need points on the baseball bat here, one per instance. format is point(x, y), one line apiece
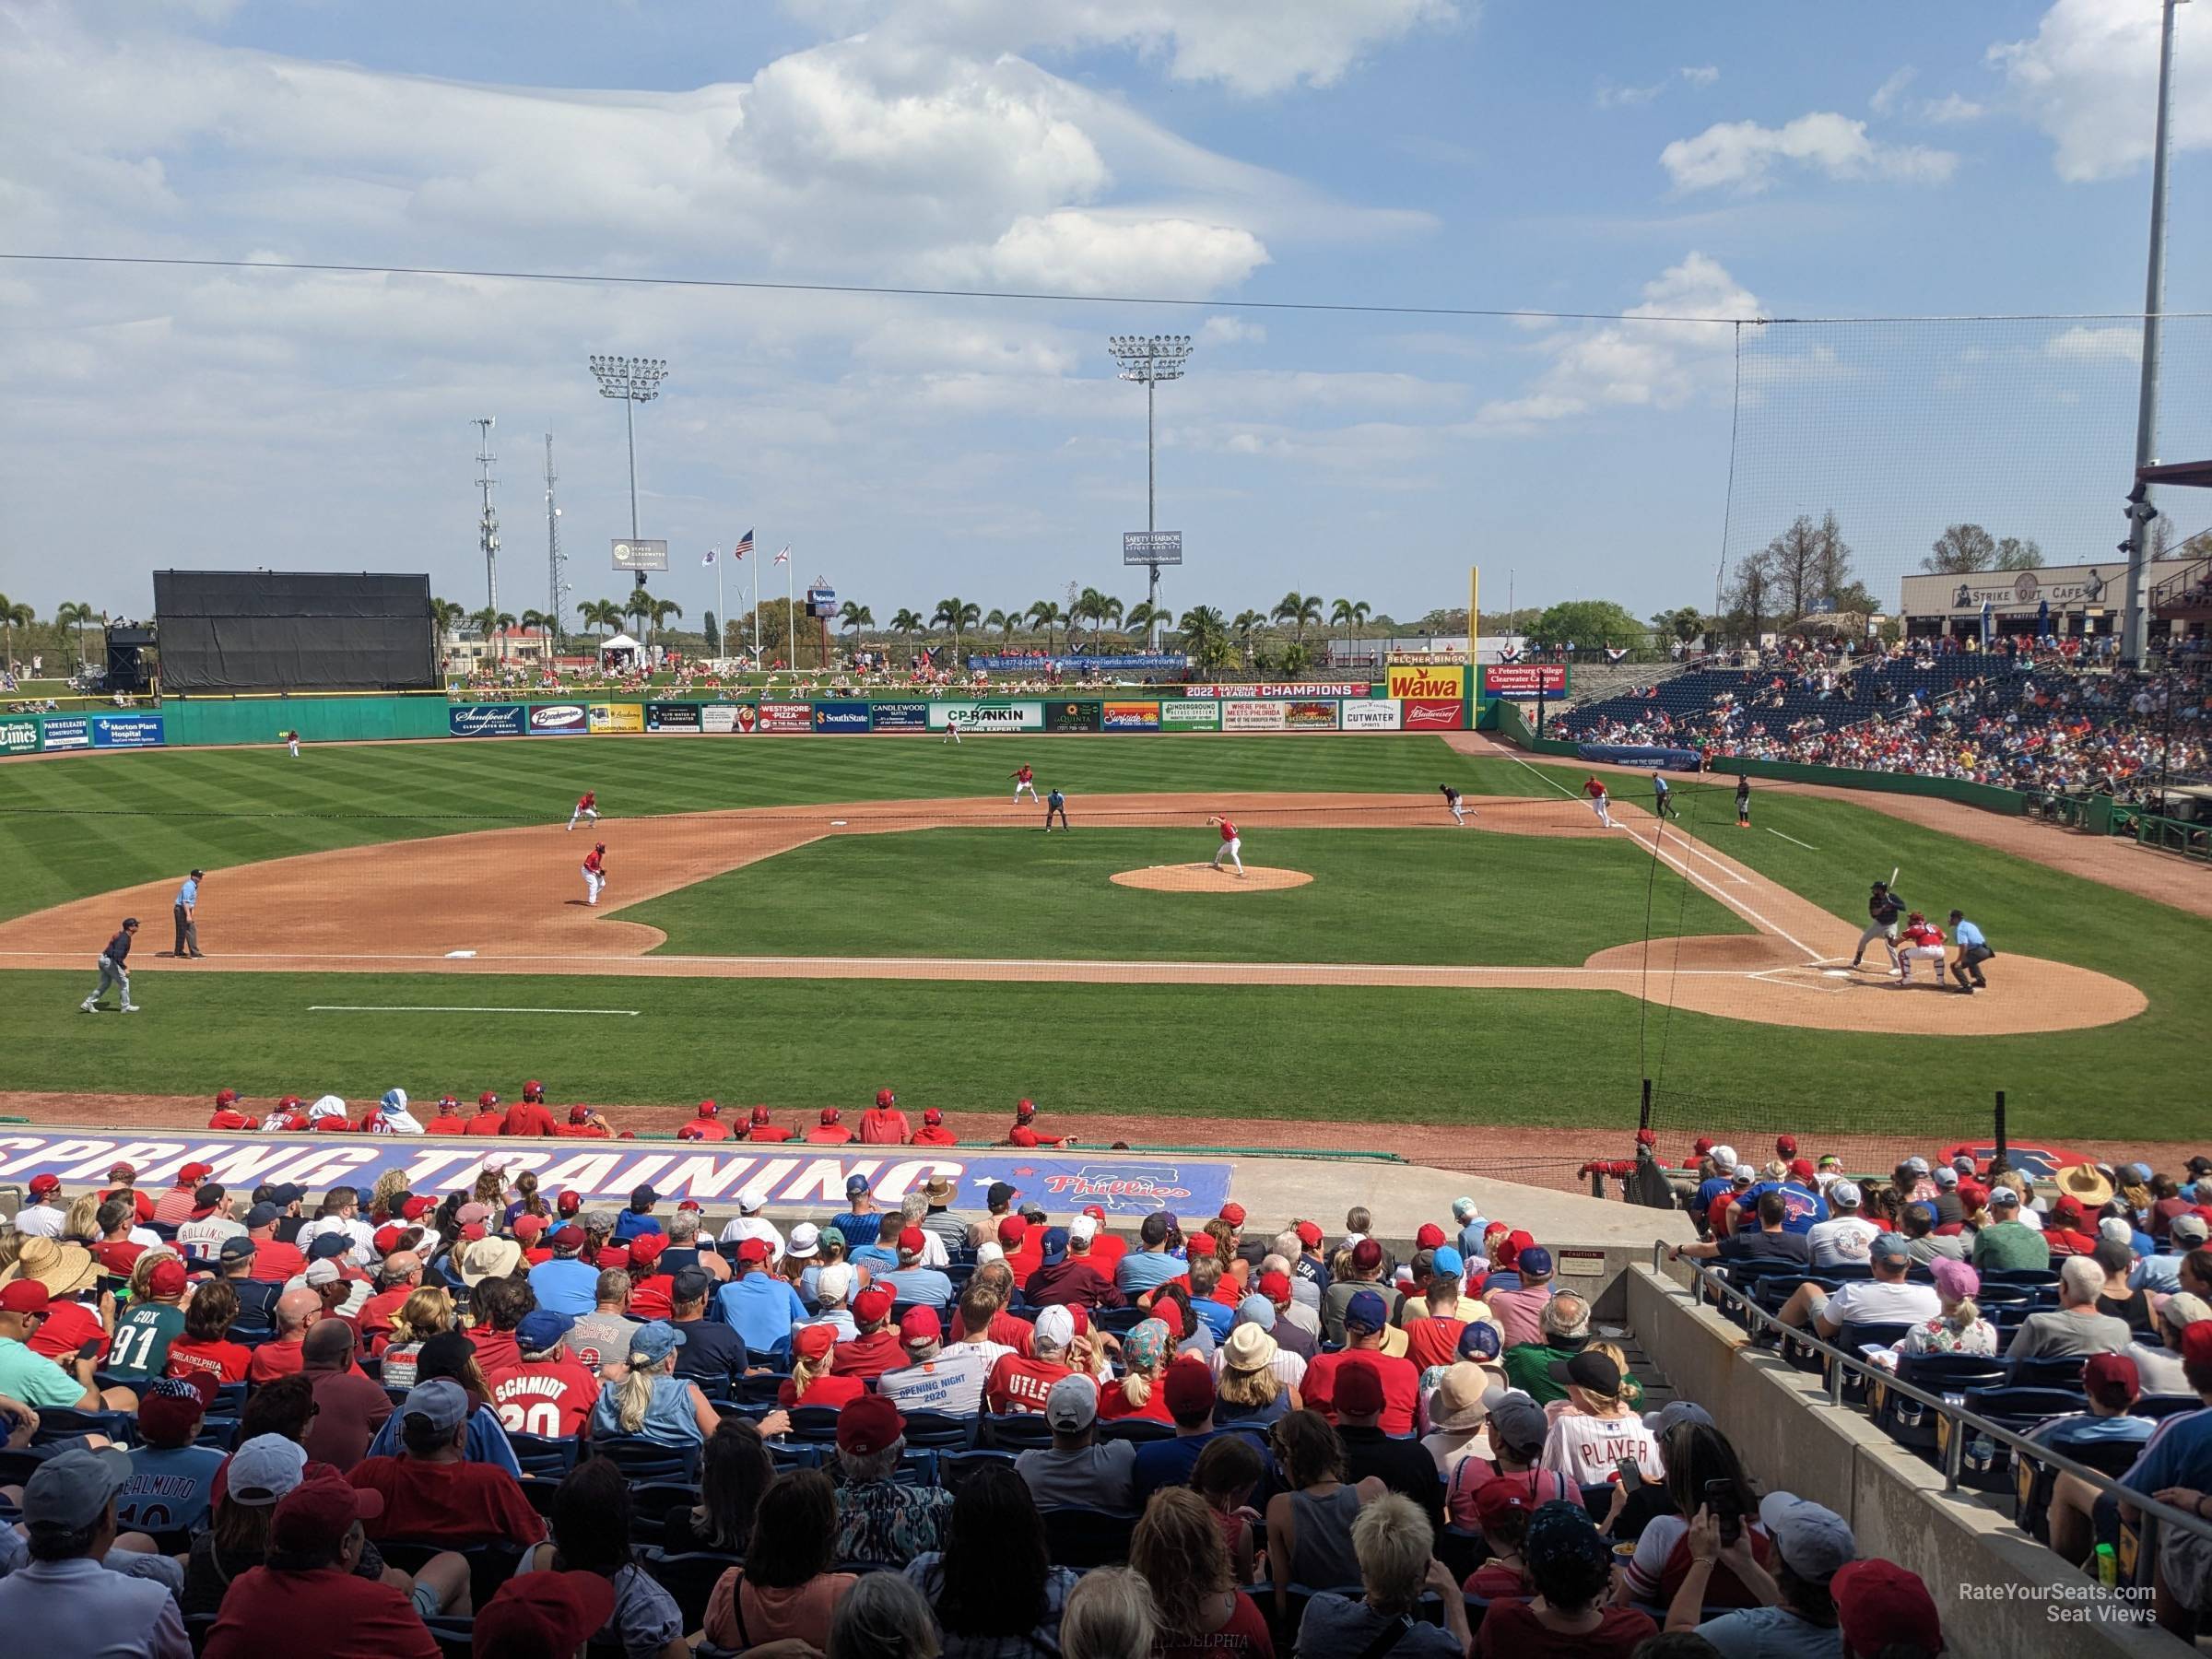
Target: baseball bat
point(1893, 869)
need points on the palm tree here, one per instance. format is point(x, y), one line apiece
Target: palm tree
point(12, 616)
point(598, 612)
point(855, 617)
point(908, 622)
point(549, 623)
point(662, 609)
point(1349, 614)
point(639, 607)
point(1299, 610)
point(955, 615)
point(1004, 623)
point(446, 616)
point(1048, 615)
point(1205, 635)
point(1141, 616)
point(74, 614)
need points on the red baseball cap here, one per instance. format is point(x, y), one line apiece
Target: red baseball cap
point(542, 1613)
point(933, 1117)
point(1881, 1605)
point(868, 1424)
point(1233, 1214)
point(913, 1240)
point(2068, 1205)
point(2112, 1378)
point(1494, 1499)
point(884, 1097)
point(829, 1114)
point(645, 1248)
point(387, 1238)
point(1702, 1145)
point(472, 1231)
point(1097, 1212)
point(528, 1227)
point(873, 1306)
point(1430, 1236)
point(170, 1409)
point(709, 1109)
point(760, 1114)
point(192, 1174)
point(415, 1209)
point(570, 1237)
point(534, 1091)
point(613, 1258)
point(921, 1324)
point(1359, 1389)
point(1515, 1242)
point(1024, 1109)
point(122, 1172)
point(1012, 1229)
point(580, 1114)
point(568, 1203)
point(1276, 1287)
point(752, 1250)
point(28, 1296)
point(688, 1204)
point(1802, 1167)
point(225, 1097)
point(1366, 1256)
point(1786, 1145)
point(2196, 1341)
point(1169, 1311)
point(315, 1515)
point(1188, 1387)
point(811, 1342)
point(1309, 1234)
point(488, 1098)
point(45, 1183)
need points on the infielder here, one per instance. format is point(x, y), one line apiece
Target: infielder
point(1054, 802)
point(952, 728)
point(1974, 950)
point(1883, 908)
point(114, 969)
point(587, 805)
point(1024, 783)
point(1662, 798)
point(1923, 943)
point(1459, 814)
point(594, 872)
point(1231, 848)
point(1743, 801)
point(1595, 789)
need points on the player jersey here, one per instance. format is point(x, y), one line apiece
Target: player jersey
point(592, 860)
point(825, 1135)
point(486, 1122)
point(1024, 775)
point(703, 1129)
point(1016, 1385)
point(769, 1132)
point(1925, 936)
point(228, 1119)
point(1229, 830)
point(1593, 789)
point(143, 1332)
point(587, 800)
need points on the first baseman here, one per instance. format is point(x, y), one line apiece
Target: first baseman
point(1459, 814)
point(594, 872)
point(1025, 781)
point(114, 969)
point(1883, 908)
point(1595, 789)
point(1231, 847)
point(587, 805)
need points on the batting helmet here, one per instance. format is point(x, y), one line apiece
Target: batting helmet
point(598, 846)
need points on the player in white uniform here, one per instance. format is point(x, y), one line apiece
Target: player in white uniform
point(291, 742)
point(1452, 800)
point(587, 805)
point(1595, 789)
point(594, 872)
point(1024, 783)
point(1231, 848)
point(952, 728)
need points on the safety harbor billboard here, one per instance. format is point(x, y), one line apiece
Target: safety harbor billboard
point(1125, 1185)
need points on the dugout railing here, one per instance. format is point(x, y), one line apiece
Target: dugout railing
point(1957, 1427)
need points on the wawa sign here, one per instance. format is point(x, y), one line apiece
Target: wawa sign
point(1428, 680)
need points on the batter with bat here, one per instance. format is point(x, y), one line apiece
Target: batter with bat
point(1883, 908)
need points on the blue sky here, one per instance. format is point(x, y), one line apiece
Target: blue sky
point(1704, 163)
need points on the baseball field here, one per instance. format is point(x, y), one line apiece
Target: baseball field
point(799, 920)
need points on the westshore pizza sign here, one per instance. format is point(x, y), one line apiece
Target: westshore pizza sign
point(1124, 1185)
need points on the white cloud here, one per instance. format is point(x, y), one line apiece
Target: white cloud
point(1253, 47)
point(1610, 97)
point(1660, 358)
point(1700, 74)
point(2089, 80)
point(2083, 344)
point(1952, 109)
point(1886, 96)
point(1743, 154)
point(1230, 331)
point(1076, 252)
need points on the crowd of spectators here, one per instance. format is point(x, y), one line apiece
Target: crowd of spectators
point(525, 1421)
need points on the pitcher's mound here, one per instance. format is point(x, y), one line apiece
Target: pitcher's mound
point(1205, 878)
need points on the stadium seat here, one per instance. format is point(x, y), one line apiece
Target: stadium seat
point(60, 1423)
point(938, 1429)
point(1119, 1321)
point(690, 1577)
point(1084, 1538)
point(1854, 1339)
point(1139, 1429)
point(758, 1388)
point(1021, 1431)
point(221, 1433)
point(2165, 1406)
point(2058, 1372)
point(954, 1467)
point(649, 1501)
point(642, 1459)
point(490, 1565)
point(544, 1456)
point(2033, 1479)
point(814, 1422)
point(455, 1637)
point(1908, 1421)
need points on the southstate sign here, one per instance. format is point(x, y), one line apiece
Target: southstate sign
point(1428, 681)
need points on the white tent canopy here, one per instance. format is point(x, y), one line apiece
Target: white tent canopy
point(620, 643)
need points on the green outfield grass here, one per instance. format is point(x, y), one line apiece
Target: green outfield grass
point(85, 825)
point(1441, 895)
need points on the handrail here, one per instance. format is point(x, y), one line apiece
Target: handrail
point(1724, 1291)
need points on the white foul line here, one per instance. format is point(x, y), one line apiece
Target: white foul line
point(1793, 840)
point(1724, 897)
point(397, 1008)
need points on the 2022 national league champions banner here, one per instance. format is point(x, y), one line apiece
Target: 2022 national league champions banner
point(1124, 1185)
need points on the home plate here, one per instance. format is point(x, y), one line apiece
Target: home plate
point(452, 954)
point(1836, 972)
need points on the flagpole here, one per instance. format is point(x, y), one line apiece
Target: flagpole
point(723, 612)
point(790, 625)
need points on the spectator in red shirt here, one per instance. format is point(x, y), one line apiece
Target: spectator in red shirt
point(761, 1128)
point(490, 1119)
point(2068, 1232)
point(142, 1203)
point(1365, 1319)
point(398, 1276)
point(829, 1131)
point(275, 1262)
point(528, 1117)
point(449, 1120)
point(295, 1310)
point(1068, 1274)
point(933, 1132)
point(1106, 1249)
point(431, 1491)
point(1024, 1247)
point(878, 1349)
point(1024, 1132)
point(811, 1382)
point(548, 1389)
point(706, 1124)
point(309, 1584)
point(883, 1125)
point(206, 1348)
point(175, 1207)
point(349, 1408)
point(1019, 1382)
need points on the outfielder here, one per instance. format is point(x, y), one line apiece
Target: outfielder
point(1024, 783)
point(1883, 908)
point(1595, 789)
point(952, 728)
point(1974, 950)
point(594, 872)
point(1054, 802)
point(587, 805)
point(114, 969)
point(291, 742)
point(1663, 797)
point(1923, 943)
point(1452, 799)
point(1231, 848)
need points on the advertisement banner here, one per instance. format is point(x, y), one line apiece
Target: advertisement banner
point(840, 717)
point(1522, 679)
point(1130, 717)
point(901, 717)
point(1190, 716)
point(1162, 661)
point(1124, 1184)
point(1252, 716)
point(1310, 714)
point(786, 717)
point(1431, 681)
point(1290, 688)
point(1396, 657)
point(73, 732)
point(557, 720)
point(616, 717)
point(673, 717)
point(127, 731)
point(1071, 717)
point(1435, 715)
point(475, 720)
point(1376, 714)
point(19, 736)
point(726, 717)
point(989, 716)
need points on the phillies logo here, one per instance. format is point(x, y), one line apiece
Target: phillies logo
point(747, 717)
point(1118, 1182)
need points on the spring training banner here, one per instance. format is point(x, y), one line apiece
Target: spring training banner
point(1124, 1185)
point(1164, 662)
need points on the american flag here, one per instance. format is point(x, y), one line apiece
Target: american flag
point(745, 546)
point(784, 556)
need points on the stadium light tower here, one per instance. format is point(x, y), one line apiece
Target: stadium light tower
point(488, 522)
point(634, 381)
point(1149, 360)
point(2135, 625)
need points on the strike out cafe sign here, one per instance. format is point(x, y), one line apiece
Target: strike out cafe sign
point(1126, 1185)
